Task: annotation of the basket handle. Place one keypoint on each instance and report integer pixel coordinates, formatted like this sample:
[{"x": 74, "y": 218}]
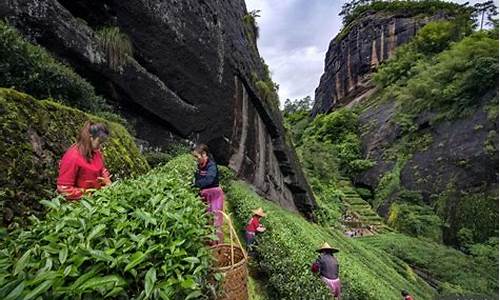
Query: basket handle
[{"x": 232, "y": 235}]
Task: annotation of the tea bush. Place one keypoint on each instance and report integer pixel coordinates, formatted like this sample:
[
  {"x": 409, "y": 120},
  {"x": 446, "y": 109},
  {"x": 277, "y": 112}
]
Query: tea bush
[
  {"x": 35, "y": 134},
  {"x": 287, "y": 248},
  {"x": 476, "y": 273},
  {"x": 138, "y": 239}
]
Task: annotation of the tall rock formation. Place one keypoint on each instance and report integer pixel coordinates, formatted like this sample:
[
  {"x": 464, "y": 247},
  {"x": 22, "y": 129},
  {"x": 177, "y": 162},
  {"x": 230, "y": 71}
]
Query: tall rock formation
[
  {"x": 358, "y": 50},
  {"x": 192, "y": 76},
  {"x": 449, "y": 164}
]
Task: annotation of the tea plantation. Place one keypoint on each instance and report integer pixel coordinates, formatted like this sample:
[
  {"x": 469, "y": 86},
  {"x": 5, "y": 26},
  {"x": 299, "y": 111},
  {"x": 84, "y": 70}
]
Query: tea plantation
[{"x": 140, "y": 238}]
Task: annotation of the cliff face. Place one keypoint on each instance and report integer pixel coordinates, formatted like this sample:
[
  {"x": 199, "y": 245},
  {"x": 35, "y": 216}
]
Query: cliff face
[
  {"x": 357, "y": 51},
  {"x": 191, "y": 76}
]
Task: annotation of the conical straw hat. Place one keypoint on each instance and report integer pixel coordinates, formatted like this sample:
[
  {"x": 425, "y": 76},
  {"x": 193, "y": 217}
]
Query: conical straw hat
[
  {"x": 325, "y": 246},
  {"x": 259, "y": 212}
]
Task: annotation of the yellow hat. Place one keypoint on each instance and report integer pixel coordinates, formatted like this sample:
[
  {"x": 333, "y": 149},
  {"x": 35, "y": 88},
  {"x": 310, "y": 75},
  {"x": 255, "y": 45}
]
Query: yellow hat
[
  {"x": 325, "y": 246},
  {"x": 259, "y": 212}
]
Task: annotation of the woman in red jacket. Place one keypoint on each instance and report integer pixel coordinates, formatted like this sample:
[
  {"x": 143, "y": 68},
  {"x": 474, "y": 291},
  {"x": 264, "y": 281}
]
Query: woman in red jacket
[{"x": 82, "y": 166}]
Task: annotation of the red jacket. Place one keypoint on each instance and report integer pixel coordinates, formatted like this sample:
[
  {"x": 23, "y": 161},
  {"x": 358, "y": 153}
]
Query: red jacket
[
  {"x": 76, "y": 174},
  {"x": 253, "y": 224}
]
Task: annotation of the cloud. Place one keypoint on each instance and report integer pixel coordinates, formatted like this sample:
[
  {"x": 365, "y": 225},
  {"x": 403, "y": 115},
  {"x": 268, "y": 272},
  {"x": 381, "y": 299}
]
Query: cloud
[{"x": 294, "y": 38}]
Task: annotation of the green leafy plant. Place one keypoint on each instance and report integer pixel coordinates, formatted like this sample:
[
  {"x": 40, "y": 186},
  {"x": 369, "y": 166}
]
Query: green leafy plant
[
  {"x": 117, "y": 46},
  {"x": 138, "y": 239}
]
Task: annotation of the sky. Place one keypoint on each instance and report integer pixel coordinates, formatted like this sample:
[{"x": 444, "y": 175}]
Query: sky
[{"x": 294, "y": 38}]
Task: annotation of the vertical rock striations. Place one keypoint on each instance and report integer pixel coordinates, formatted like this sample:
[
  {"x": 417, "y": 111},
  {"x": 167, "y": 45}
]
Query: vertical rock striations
[{"x": 357, "y": 51}]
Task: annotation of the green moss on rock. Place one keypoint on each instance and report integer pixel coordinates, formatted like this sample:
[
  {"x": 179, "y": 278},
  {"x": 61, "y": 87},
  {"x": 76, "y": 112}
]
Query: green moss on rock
[{"x": 35, "y": 134}]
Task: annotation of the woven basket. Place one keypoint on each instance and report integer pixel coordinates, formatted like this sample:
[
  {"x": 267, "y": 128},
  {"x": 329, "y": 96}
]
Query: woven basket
[{"x": 231, "y": 262}]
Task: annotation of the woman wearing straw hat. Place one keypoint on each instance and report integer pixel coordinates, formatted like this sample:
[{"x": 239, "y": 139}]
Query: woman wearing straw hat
[
  {"x": 253, "y": 226},
  {"x": 328, "y": 268}
]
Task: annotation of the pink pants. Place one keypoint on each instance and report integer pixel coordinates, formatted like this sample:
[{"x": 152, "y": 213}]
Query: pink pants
[
  {"x": 214, "y": 197},
  {"x": 333, "y": 285}
]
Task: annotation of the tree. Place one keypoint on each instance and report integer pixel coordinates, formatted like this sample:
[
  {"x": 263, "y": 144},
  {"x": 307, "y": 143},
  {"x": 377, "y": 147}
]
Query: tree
[
  {"x": 349, "y": 7},
  {"x": 297, "y": 105},
  {"x": 487, "y": 9}
]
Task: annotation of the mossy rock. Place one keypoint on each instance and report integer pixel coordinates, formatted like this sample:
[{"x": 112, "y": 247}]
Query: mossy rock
[{"x": 35, "y": 134}]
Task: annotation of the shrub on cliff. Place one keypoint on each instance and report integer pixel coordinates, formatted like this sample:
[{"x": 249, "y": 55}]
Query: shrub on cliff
[
  {"x": 116, "y": 45},
  {"x": 431, "y": 39},
  {"x": 30, "y": 69},
  {"x": 35, "y": 134},
  {"x": 138, "y": 239}
]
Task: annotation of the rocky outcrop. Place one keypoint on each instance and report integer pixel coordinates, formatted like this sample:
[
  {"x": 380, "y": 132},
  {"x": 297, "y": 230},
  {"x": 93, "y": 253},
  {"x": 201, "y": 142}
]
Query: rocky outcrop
[
  {"x": 191, "y": 76},
  {"x": 455, "y": 161},
  {"x": 357, "y": 51}
]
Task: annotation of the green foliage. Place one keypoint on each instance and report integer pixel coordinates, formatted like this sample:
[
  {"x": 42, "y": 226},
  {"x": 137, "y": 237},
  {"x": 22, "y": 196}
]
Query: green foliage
[
  {"x": 296, "y": 115},
  {"x": 250, "y": 20},
  {"x": 412, "y": 197},
  {"x": 415, "y": 220},
  {"x": 477, "y": 212},
  {"x": 35, "y": 134},
  {"x": 329, "y": 204},
  {"x": 156, "y": 158},
  {"x": 31, "y": 69},
  {"x": 491, "y": 143},
  {"x": 365, "y": 194},
  {"x": 287, "y": 248},
  {"x": 319, "y": 160},
  {"x": 340, "y": 129},
  {"x": 355, "y": 9},
  {"x": 388, "y": 184},
  {"x": 266, "y": 87},
  {"x": 138, "y": 239},
  {"x": 431, "y": 39},
  {"x": 116, "y": 45},
  {"x": 452, "y": 268},
  {"x": 454, "y": 81}
]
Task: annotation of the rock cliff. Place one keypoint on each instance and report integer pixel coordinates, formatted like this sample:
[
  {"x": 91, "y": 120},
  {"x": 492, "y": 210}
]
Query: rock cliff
[
  {"x": 192, "y": 76},
  {"x": 357, "y": 51}
]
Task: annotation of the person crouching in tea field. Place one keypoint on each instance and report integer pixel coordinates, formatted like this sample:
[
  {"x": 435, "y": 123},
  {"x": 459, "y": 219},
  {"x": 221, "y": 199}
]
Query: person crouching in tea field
[
  {"x": 82, "y": 166},
  {"x": 254, "y": 227},
  {"x": 328, "y": 268},
  {"x": 406, "y": 295},
  {"x": 207, "y": 180}
]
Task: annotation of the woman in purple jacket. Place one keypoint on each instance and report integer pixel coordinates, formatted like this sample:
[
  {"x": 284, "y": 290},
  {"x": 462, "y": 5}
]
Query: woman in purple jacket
[{"x": 207, "y": 180}]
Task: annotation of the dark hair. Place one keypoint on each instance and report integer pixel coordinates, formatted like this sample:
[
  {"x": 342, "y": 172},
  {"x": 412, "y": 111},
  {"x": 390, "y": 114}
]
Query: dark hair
[
  {"x": 200, "y": 148},
  {"x": 88, "y": 131},
  {"x": 404, "y": 293}
]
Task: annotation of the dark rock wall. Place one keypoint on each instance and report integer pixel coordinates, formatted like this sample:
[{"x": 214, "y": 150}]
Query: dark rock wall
[
  {"x": 455, "y": 162},
  {"x": 189, "y": 77},
  {"x": 351, "y": 58}
]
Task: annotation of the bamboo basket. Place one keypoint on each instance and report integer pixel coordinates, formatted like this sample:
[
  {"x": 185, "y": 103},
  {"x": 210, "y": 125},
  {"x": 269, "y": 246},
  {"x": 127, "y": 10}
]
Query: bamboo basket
[{"x": 231, "y": 262}]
